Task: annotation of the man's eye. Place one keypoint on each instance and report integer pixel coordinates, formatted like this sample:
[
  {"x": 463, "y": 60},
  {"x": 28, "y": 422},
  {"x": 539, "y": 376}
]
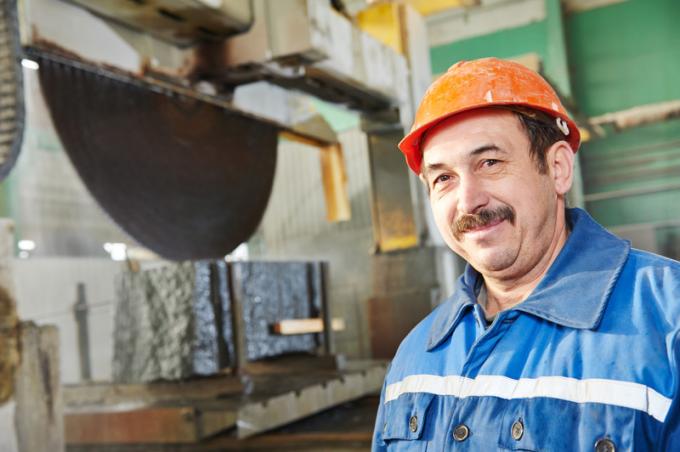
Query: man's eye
[
  {"x": 490, "y": 162},
  {"x": 440, "y": 178}
]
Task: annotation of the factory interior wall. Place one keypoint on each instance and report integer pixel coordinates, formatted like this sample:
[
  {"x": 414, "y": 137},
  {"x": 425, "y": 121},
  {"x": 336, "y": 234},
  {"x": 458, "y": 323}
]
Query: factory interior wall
[
  {"x": 372, "y": 292},
  {"x": 46, "y": 292},
  {"x": 633, "y": 183},
  {"x": 501, "y": 44},
  {"x": 623, "y": 56},
  {"x": 619, "y": 56}
]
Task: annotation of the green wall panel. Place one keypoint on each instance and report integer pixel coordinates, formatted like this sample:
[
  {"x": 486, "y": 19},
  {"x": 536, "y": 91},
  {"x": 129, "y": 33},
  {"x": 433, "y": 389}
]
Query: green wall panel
[
  {"x": 644, "y": 208},
  {"x": 622, "y": 56},
  {"x": 502, "y": 44},
  {"x": 643, "y": 157},
  {"x": 625, "y": 55},
  {"x": 555, "y": 63}
]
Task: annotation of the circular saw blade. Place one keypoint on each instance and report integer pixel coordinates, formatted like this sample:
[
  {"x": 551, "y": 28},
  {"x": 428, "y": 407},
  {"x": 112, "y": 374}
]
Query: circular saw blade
[{"x": 185, "y": 178}]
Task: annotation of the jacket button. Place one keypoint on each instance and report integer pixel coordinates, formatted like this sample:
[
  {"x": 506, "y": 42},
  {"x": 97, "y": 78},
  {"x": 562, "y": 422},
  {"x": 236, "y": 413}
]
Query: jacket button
[
  {"x": 605, "y": 445},
  {"x": 517, "y": 430},
  {"x": 413, "y": 423},
  {"x": 461, "y": 432}
]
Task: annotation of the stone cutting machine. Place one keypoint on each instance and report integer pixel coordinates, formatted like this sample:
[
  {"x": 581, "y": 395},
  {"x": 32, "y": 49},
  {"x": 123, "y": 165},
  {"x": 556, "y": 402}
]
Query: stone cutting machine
[{"x": 170, "y": 110}]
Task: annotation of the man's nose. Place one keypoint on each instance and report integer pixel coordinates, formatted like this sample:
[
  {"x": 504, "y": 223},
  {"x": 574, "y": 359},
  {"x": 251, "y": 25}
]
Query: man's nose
[{"x": 471, "y": 195}]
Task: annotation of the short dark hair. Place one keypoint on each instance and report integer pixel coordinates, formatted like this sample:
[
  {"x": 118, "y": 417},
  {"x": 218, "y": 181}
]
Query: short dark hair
[{"x": 542, "y": 132}]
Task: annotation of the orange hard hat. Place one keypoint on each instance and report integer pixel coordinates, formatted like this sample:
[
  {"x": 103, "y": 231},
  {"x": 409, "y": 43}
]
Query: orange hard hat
[{"x": 484, "y": 83}]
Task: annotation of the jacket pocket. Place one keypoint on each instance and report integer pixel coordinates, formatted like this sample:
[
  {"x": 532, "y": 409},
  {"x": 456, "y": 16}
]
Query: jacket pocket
[
  {"x": 406, "y": 420},
  {"x": 546, "y": 424}
]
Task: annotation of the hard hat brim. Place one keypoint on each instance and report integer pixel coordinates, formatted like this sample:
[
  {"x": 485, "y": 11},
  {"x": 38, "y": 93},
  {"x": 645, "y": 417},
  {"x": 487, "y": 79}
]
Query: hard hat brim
[{"x": 410, "y": 145}]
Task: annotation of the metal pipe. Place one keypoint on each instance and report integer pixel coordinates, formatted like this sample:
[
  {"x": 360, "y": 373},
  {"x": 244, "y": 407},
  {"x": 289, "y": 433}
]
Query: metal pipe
[{"x": 80, "y": 311}]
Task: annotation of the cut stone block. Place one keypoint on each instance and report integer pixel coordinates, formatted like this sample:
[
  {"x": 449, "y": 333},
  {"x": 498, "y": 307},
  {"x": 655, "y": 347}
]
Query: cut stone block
[
  {"x": 177, "y": 321},
  {"x": 273, "y": 291},
  {"x": 165, "y": 324}
]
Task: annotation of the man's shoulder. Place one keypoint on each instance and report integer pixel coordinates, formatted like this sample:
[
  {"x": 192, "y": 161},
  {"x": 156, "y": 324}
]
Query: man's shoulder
[
  {"x": 649, "y": 258},
  {"x": 653, "y": 280},
  {"x": 648, "y": 266}
]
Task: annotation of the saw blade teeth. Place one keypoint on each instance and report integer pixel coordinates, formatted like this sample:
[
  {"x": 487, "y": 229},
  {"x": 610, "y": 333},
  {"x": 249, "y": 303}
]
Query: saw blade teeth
[
  {"x": 8, "y": 101},
  {"x": 11, "y": 87}
]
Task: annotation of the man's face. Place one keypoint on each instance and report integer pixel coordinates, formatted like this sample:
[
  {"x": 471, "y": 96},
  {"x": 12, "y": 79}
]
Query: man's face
[{"x": 490, "y": 203}]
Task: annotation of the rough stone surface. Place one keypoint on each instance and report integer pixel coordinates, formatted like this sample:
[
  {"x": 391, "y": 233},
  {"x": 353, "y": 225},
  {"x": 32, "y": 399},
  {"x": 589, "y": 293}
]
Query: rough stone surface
[
  {"x": 273, "y": 291},
  {"x": 177, "y": 321},
  {"x": 164, "y": 325},
  {"x": 205, "y": 350},
  {"x": 227, "y": 325}
]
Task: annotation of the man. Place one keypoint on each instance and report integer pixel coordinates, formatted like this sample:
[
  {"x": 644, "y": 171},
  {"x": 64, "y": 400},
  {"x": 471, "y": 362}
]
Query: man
[{"x": 558, "y": 336}]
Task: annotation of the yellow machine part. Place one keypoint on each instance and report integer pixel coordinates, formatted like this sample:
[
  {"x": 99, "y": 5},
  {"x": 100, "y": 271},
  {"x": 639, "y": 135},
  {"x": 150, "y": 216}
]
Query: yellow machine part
[
  {"x": 381, "y": 21},
  {"x": 427, "y": 7}
]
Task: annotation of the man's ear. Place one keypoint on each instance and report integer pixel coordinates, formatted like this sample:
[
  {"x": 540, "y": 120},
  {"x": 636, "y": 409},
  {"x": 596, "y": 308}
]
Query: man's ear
[{"x": 560, "y": 161}]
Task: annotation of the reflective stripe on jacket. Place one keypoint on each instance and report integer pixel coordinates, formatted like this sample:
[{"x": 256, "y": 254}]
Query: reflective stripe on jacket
[{"x": 589, "y": 361}]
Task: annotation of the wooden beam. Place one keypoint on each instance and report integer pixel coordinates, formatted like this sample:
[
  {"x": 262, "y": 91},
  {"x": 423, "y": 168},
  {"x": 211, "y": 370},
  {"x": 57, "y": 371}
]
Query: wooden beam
[
  {"x": 333, "y": 173},
  {"x": 297, "y": 137},
  {"x": 107, "y": 394},
  {"x": 294, "y": 364},
  {"x": 305, "y": 326},
  {"x": 334, "y": 178},
  {"x": 167, "y": 425},
  {"x": 639, "y": 115}
]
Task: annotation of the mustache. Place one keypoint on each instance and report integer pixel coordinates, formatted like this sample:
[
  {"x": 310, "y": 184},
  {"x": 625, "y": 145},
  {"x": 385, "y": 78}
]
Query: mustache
[{"x": 484, "y": 217}]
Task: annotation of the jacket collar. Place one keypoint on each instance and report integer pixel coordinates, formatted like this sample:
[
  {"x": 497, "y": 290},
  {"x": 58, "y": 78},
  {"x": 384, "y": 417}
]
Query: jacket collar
[{"x": 573, "y": 293}]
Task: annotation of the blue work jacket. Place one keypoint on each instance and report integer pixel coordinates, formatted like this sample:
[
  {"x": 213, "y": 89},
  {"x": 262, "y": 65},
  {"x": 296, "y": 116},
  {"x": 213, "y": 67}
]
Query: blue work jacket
[{"x": 589, "y": 361}]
